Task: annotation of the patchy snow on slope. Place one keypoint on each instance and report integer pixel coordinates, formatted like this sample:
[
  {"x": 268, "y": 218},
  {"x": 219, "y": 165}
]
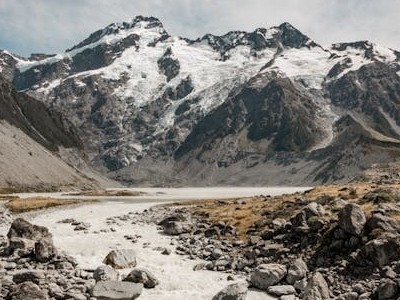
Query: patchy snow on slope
[{"x": 311, "y": 65}]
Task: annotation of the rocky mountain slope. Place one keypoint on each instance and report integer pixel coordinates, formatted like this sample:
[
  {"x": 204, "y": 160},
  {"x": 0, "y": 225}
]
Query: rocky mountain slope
[
  {"x": 263, "y": 107},
  {"x": 32, "y": 140}
]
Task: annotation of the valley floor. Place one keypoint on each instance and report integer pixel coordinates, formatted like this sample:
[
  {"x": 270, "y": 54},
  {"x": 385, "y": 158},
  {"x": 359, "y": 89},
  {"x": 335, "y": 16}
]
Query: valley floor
[{"x": 110, "y": 221}]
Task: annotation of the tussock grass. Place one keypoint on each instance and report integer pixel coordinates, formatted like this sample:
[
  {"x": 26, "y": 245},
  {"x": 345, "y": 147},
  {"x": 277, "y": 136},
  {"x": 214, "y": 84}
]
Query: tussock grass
[{"x": 21, "y": 205}]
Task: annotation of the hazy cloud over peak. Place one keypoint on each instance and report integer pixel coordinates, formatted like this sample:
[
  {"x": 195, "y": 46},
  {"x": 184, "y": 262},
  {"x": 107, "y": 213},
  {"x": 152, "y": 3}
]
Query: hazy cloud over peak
[{"x": 54, "y": 25}]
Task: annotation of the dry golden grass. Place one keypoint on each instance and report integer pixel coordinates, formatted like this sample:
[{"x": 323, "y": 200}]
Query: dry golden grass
[
  {"x": 244, "y": 213},
  {"x": 104, "y": 193},
  {"x": 19, "y": 205}
]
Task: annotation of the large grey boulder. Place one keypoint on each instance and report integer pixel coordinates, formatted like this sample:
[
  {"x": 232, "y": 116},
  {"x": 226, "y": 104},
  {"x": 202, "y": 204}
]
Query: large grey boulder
[
  {"x": 281, "y": 290},
  {"x": 121, "y": 259},
  {"x": 104, "y": 273},
  {"x": 297, "y": 271},
  {"x": 117, "y": 290},
  {"x": 142, "y": 275},
  {"x": 388, "y": 289},
  {"x": 266, "y": 275},
  {"x": 28, "y": 290},
  {"x": 317, "y": 288},
  {"x": 352, "y": 219},
  {"x": 44, "y": 250},
  {"x": 21, "y": 228},
  {"x": 236, "y": 291},
  {"x": 382, "y": 251},
  {"x": 176, "y": 228}
]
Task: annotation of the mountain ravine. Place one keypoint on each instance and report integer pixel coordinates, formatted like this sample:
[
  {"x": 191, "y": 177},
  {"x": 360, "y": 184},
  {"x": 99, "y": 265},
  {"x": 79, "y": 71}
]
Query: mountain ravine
[{"x": 247, "y": 108}]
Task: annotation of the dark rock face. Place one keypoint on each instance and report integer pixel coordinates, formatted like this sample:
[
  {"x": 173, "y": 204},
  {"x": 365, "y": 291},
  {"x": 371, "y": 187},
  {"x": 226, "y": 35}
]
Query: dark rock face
[
  {"x": 44, "y": 125},
  {"x": 168, "y": 65}
]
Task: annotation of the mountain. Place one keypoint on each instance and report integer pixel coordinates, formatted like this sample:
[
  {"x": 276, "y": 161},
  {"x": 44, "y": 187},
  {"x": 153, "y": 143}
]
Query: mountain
[
  {"x": 264, "y": 107},
  {"x": 33, "y": 139}
]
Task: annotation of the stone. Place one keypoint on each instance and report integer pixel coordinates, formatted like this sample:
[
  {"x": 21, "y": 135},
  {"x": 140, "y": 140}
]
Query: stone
[
  {"x": 28, "y": 290},
  {"x": 105, "y": 273},
  {"x": 297, "y": 270},
  {"x": 281, "y": 290},
  {"x": 44, "y": 250},
  {"x": 16, "y": 243},
  {"x": 176, "y": 228},
  {"x": 121, "y": 259},
  {"x": 266, "y": 275},
  {"x": 33, "y": 276},
  {"x": 385, "y": 223},
  {"x": 382, "y": 251},
  {"x": 388, "y": 289},
  {"x": 117, "y": 290},
  {"x": 21, "y": 228},
  {"x": 236, "y": 291},
  {"x": 317, "y": 288},
  {"x": 166, "y": 251},
  {"x": 142, "y": 275},
  {"x": 352, "y": 219}
]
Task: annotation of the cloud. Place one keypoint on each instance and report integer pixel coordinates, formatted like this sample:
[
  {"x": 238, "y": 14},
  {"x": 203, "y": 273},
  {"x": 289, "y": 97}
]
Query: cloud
[{"x": 54, "y": 25}]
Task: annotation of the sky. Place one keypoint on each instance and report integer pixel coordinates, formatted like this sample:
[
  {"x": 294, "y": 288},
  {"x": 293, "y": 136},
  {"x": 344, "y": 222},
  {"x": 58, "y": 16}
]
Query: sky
[{"x": 51, "y": 26}]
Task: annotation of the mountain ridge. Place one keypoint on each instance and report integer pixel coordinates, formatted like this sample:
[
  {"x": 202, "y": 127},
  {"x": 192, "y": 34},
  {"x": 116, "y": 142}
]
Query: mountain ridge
[{"x": 145, "y": 97}]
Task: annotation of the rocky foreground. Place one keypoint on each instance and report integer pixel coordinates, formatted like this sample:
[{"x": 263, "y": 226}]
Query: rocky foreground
[
  {"x": 333, "y": 242},
  {"x": 339, "y": 242}
]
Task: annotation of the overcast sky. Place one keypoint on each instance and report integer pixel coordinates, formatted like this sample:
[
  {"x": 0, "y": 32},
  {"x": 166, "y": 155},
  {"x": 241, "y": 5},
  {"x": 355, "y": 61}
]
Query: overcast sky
[{"x": 51, "y": 26}]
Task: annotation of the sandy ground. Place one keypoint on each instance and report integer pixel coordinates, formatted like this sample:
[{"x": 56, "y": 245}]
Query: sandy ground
[{"x": 177, "y": 279}]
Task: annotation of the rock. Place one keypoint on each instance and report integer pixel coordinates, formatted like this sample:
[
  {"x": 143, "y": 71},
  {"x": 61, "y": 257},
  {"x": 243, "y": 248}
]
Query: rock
[
  {"x": 176, "y": 228},
  {"x": 281, "y": 290},
  {"x": 44, "y": 250},
  {"x": 352, "y": 219},
  {"x": 121, "y": 259},
  {"x": 34, "y": 276},
  {"x": 388, "y": 289},
  {"x": 266, "y": 275},
  {"x": 317, "y": 288},
  {"x": 117, "y": 290},
  {"x": 199, "y": 267},
  {"x": 382, "y": 251},
  {"x": 237, "y": 291},
  {"x": 16, "y": 243},
  {"x": 141, "y": 275},
  {"x": 166, "y": 251},
  {"x": 297, "y": 270},
  {"x": 387, "y": 224},
  {"x": 105, "y": 273},
  {"x": 28, "y": 290},
  {"x": 21, "y": 228},
  {"x": 67, "y": 221}
]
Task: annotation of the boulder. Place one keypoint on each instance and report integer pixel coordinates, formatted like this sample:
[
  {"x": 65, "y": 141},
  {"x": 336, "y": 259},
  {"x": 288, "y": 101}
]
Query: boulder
[
  {"x": 44, "y": 250},
  {"x": 297, "y": 271},
  {"x": 141, "y": 275},
  {"x": 176, "y": 228},
  {"x": 317, "y": 288},
  {"x": 387, "y": 224},
  {"x": 21, "y": 228},
  {"x": 266, "y": 275},
  {"x": 236, "y": 291},
  {"x": 117, "y": 290},
  {"x": 16, "y": 243},
  {"x": 33, "y": 276},
  {"x": 382, "y": 251},
  {"x": 121, "y": 259},
  {"x": 388, "y": 289},
  {"x": 352, "y": 219},
  {"x": 281, "y": 290},
  {"x": 28, "y": 290},
  {"x": 105, "y": 273}
]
